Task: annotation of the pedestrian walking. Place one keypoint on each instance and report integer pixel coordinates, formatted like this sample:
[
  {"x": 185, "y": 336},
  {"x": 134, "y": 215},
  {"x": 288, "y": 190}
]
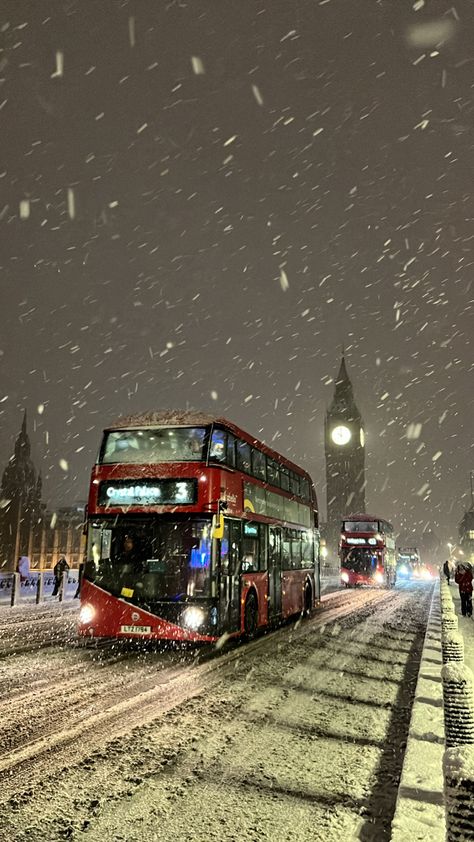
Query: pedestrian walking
[
  {"x": 60, "y": 568},
  {"x": 447, "y": 571},
  {"x": 463, "y": 578},
  {"x": 23, "y": 568}
]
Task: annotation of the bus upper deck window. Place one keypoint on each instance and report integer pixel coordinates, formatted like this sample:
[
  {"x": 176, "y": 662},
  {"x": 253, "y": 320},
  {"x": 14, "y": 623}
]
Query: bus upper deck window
[
  {"x": 285, "y": 479},
  {"x": 230, "y": 457},
  {"x": 218, "y": 446},
  {"x": 243, "y": 456}
]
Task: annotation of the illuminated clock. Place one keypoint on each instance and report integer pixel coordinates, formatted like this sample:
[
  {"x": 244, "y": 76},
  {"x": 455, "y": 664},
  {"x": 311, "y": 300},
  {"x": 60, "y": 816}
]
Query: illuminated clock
[
  {"x": 362, "y": 437},
  {"x": 341, "y": 434}
]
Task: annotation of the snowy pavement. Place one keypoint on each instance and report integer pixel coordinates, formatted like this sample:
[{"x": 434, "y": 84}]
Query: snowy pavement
[
  {"x": 297, "y": 735},
  {"x": 466, "y": 627},
  {"x": 420, "y": 810}
]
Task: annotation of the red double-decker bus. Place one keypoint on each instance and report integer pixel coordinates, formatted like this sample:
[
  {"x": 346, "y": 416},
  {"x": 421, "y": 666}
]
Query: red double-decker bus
[
  {"x": 195, "y": 530},
  {"x": 367, "y": 551}
]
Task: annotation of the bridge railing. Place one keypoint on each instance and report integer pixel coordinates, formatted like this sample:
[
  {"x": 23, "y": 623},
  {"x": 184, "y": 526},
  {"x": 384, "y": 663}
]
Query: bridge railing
[
  {"x": 37, "y": 587},
  {"x": 458, "y": 703}
]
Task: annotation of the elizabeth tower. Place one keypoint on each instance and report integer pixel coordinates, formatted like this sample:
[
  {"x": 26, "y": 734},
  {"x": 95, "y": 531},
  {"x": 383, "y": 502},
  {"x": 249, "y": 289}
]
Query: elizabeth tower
[{"x": 344, "y": 440}]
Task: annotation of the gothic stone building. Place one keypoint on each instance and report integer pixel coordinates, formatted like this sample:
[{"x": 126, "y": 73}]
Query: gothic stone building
[{"x": 26, "y": 527}]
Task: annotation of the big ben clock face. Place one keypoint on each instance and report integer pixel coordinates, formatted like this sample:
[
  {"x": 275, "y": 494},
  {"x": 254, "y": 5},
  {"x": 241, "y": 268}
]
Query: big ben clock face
[
  {"x": 362, "y": 437},
  {"x": 341, "y": 434}
]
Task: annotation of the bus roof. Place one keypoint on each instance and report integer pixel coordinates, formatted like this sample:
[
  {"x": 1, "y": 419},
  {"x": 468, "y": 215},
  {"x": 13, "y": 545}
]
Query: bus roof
[
  {"x": 362, "y": 517},
  {"x": 194, "y": 418}
]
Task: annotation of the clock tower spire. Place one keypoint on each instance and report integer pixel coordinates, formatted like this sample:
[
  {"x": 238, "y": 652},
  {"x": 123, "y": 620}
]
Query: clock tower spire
[{"x": 344, "y": 440}]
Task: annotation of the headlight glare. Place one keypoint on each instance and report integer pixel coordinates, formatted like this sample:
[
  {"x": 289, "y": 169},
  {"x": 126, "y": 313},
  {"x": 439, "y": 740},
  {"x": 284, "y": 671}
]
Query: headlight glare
[
  {"x": 86, "y": 614},
  {"x": 193, "y": 617}
]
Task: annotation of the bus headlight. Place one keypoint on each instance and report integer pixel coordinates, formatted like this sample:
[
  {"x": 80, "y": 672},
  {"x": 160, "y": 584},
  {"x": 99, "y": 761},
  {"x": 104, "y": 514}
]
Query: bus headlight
[
  {"x": 378, "y": 577},
  {"x": 86, "y": 614},
  {"x": 193, "y": 617},
  {"x": 344, "y": 577}
]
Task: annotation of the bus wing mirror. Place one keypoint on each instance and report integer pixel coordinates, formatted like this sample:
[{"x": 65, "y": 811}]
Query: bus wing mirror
[{"x": 217, "y": 530}]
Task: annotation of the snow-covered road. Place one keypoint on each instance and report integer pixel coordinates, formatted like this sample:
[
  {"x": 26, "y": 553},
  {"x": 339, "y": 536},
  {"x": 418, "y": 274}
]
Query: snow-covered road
[{"x": 298, "y": 735}]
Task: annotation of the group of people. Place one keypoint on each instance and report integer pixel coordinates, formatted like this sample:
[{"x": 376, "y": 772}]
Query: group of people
[{"x": 463, "y": 579}]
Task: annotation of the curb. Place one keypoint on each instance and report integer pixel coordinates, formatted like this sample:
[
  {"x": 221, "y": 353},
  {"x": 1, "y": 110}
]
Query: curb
[{"x": 420, "y": 811}]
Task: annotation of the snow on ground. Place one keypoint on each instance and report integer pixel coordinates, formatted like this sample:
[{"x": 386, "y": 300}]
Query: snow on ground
[
  {"x": 298, "y": 735},
  {"x": 420, "y": 811}
]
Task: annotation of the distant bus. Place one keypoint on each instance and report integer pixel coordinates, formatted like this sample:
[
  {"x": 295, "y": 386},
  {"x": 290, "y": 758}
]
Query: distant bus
[
  {"x": 410, "y": 565},
  {"x": 408, "y": 562},
  {"x": 195, "y": 529},
  {"x": 367, "y": 551}
]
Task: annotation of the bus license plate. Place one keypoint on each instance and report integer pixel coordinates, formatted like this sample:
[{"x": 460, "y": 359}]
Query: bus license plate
[{"x": 135, "y": 629}]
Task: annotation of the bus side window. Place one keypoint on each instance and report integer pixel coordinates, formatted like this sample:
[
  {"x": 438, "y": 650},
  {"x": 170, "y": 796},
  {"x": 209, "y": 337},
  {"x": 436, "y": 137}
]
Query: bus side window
[
  {"x": 217, "y": 451},
  {"x": 307, "y": 550},
  {"x": 243, "y": 456},
  {"x": 284, "y": 479},
  {"x": 296, "y": 550},
  {"x": 230, "y": 452},
  {"x": 258, "y": 464},
  {"x": 251, "y": 548},
  {"x": 273, "y": 472},
  {"x": 286, "y": 550},
  {"x": 294, "y": 483},
  {"x": 225, "y": 549}
]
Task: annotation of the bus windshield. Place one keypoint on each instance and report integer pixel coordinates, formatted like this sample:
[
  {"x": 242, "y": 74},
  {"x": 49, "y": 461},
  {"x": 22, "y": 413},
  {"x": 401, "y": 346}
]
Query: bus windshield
[
  {"x": 165, "y": 560},
  {"x": 361, "y": 526},
  {"x": 162, "y": 444},
  {"x": 359, "y": 560}
]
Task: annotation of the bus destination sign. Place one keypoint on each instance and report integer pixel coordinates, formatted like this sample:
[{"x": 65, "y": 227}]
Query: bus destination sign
[{"x": 148, "y": 492}]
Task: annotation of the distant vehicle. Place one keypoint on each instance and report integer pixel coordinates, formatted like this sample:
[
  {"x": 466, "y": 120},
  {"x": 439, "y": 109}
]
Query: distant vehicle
[
  {"x": 195, "y": 530},
  {"x": 408, "y": 560},
  {"x": 367, "y": 551},
  {"x": 411, "y": 567}
]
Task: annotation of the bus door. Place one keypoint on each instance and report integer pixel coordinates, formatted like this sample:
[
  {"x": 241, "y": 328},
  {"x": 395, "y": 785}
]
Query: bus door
[
  {"x": 274, "y": 571},
  {"x": 229, "y": 585}
]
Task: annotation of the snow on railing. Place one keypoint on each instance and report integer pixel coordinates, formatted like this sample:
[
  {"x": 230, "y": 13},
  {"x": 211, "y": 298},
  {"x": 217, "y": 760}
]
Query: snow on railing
[
  {"x": 452, "y": 645},
  {"x": 458, "y": 698},
  {"x": 458, "y": 703},
  {"x": 37, "y": 587},
  {"x": 458, "y": 768}
]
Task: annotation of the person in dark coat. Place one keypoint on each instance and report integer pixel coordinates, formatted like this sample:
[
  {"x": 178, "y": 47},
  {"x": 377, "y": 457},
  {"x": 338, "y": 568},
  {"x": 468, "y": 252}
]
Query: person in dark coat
[
  {"x": 463, "y": 578},
  {"x": 447, "y": 571},
  {"x": 60, "y": 568}
]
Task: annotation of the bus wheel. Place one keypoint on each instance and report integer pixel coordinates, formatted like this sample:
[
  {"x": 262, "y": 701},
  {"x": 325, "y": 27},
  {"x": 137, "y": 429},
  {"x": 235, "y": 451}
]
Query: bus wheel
[
  {"x": 308, "y": 600},
  {"x": 250, "y": 616}
]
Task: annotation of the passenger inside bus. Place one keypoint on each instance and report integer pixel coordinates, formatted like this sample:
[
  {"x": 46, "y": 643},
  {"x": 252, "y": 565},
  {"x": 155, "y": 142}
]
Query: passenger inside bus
[
  {"x": 129, "y": 562},
  {"x": 360, "y": 561}
]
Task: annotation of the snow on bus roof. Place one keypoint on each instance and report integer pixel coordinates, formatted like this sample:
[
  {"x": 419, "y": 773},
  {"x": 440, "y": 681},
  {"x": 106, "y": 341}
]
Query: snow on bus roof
[
  {"x": 165, "y": 418},
  {"x": 361, "y": 517},
  {"x": 194, "y": 418}
]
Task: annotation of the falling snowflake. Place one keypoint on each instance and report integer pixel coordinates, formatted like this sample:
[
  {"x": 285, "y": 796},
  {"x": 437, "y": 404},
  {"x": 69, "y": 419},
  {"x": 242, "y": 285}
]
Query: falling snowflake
[{"x": 284, "y": 283}]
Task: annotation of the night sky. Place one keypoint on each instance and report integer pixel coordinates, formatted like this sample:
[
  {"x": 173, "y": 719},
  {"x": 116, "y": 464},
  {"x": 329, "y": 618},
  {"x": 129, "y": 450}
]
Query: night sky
[{"x": 201, "y": 201}]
